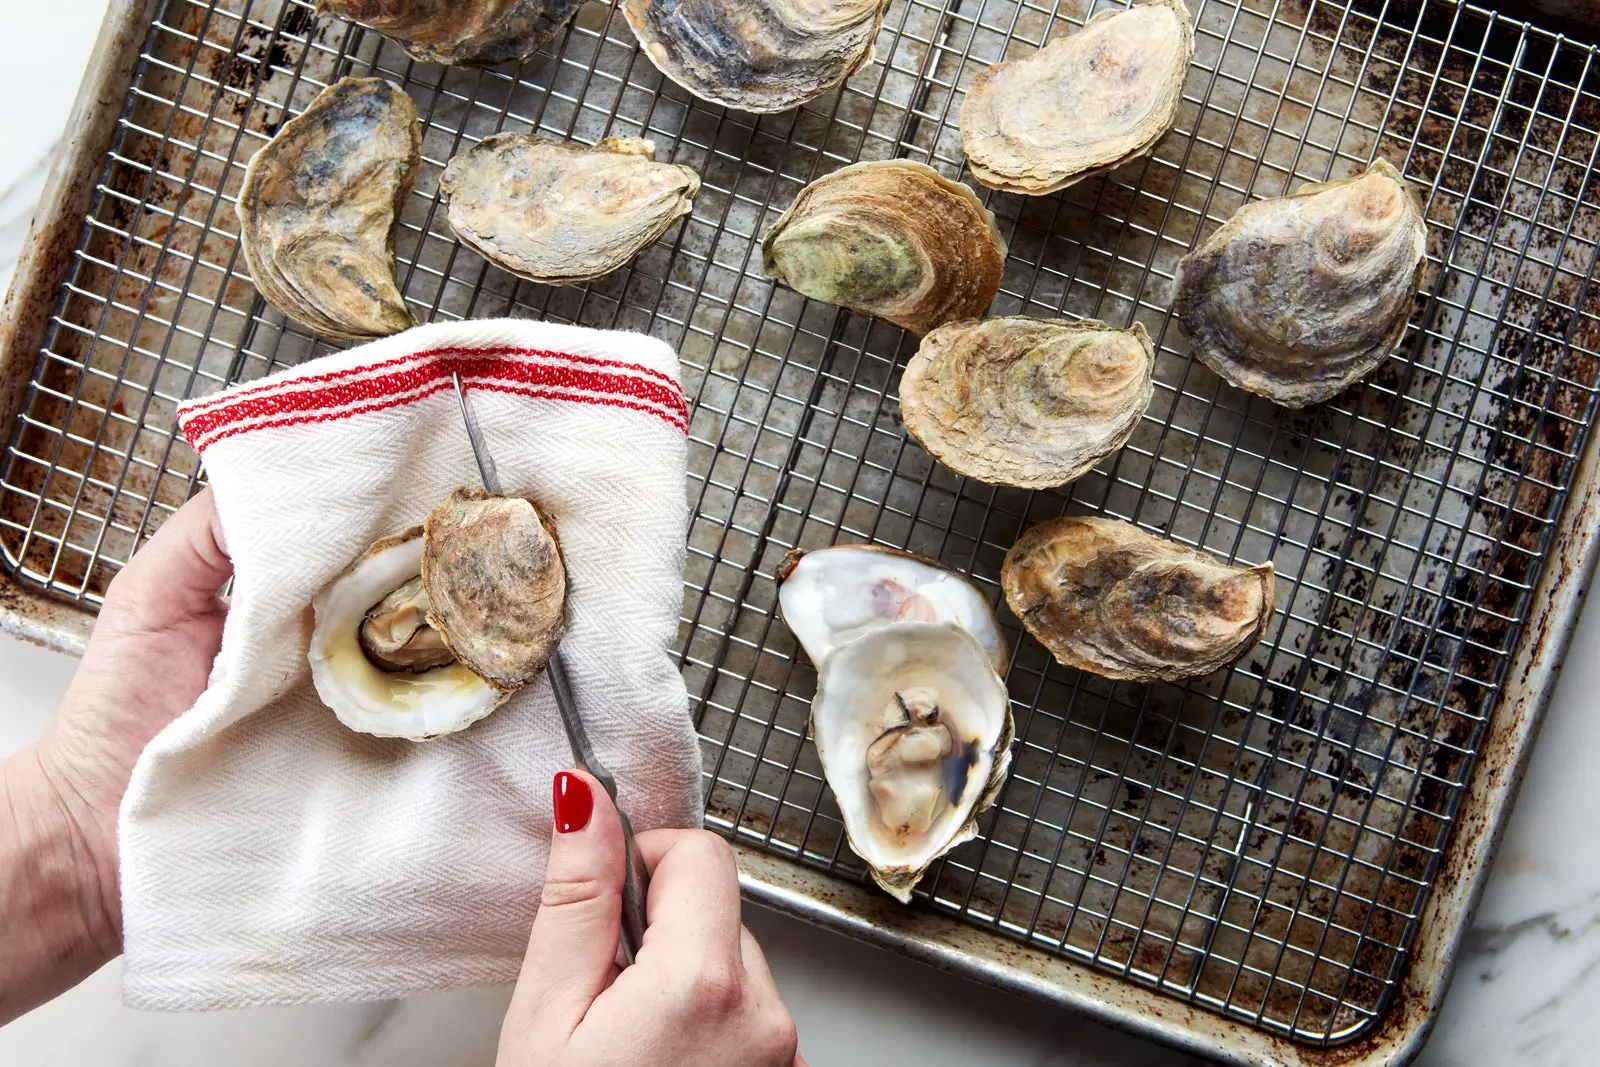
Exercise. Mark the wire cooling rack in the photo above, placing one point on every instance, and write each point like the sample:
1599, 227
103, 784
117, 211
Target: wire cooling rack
1259, 842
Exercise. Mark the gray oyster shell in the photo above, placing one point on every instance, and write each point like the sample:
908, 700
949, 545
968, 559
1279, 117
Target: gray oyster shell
469, 33
1299, 297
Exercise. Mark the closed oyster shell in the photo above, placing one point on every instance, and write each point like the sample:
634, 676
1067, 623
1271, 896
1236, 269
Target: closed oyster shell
559, 212
1106, 597
1298, 297
890, 238
757, 55
472, 33
1081, 104
318, 206
1026, 402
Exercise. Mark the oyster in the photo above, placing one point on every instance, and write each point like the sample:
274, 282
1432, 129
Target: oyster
890, 238
756, 55
430, 630
1026, 402
474, 33
558, 212
1082, 104
1299, 297
830, 596
913, 729
1106, 597
318, 205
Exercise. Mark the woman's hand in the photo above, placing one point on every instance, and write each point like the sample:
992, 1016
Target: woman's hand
699, 994
146, 663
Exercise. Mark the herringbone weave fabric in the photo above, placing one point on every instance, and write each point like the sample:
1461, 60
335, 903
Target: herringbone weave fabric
269, 855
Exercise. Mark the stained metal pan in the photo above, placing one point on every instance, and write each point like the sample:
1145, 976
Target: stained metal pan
1272, 865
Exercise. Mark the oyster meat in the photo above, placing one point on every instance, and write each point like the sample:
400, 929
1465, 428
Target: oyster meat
318, 206
560, 212
756, 55
1299, 297
1106, 597
1082, 104
1026, 402
890, 238
473, 33
430, 630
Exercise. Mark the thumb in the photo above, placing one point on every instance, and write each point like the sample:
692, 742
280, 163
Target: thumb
175, 577
573, 946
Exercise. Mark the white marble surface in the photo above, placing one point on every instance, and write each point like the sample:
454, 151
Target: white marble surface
1525, 992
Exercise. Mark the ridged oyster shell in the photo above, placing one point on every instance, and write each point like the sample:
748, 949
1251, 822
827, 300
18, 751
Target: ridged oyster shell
1026, 402
1299, 297
757, 55
1106, 597
890, 238
318, 206
560, 212
472, 33
1082, 104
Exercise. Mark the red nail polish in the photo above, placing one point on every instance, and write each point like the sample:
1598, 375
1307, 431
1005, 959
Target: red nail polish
574, 802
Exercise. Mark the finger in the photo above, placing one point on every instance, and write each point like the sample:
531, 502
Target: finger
178, 572
574, 938
799, 1060
693, 905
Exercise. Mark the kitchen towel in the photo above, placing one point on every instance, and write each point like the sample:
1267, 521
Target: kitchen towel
269, 855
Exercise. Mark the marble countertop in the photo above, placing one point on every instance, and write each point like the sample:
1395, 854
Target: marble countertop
1524, 993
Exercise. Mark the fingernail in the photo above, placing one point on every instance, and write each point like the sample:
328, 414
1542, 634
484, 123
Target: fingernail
574, 802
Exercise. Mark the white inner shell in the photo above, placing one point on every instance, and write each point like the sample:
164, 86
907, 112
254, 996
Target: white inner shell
835, 595
854, 687
372, 701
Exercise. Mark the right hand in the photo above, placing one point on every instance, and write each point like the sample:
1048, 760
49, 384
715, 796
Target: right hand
700, 992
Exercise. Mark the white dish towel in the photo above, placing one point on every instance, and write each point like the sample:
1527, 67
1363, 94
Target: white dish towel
269, 855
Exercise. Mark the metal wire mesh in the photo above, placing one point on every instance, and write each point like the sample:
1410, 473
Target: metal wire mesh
1260, 841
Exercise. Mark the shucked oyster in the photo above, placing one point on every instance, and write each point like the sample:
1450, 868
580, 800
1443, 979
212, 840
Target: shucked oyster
318, 207
1106, 597
429, 631
1081, 104
891, 238
911, 722
1026, 402
757, 55
476, 33
558, 212
1299, 297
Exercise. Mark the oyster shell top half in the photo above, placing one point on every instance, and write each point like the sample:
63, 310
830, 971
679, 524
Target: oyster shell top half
1081, 104
476, 33
1298, 297
318, 206
757, 55
1106, 597
891, 238
560, 212
1026, 402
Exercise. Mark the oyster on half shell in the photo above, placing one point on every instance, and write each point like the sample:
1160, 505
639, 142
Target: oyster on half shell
1106, 597
430, 630
757, 55
1081, 104
318, 206
560, 212
1026, 402
890, 238
1299, 297
473, 33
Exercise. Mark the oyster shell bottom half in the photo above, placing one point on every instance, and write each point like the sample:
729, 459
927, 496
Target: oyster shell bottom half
430, 630
1106, 597
473, 33
891, 238
1299, 297
1027, 402
911, 721
560, 212
318, 206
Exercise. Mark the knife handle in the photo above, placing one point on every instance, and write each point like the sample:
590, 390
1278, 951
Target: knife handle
635, 891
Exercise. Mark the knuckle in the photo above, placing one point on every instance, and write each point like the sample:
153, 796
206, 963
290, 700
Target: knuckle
569, 890
710, 847
781, 1038
717, 989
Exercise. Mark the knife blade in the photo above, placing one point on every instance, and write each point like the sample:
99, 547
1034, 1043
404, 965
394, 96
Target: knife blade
636, 880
